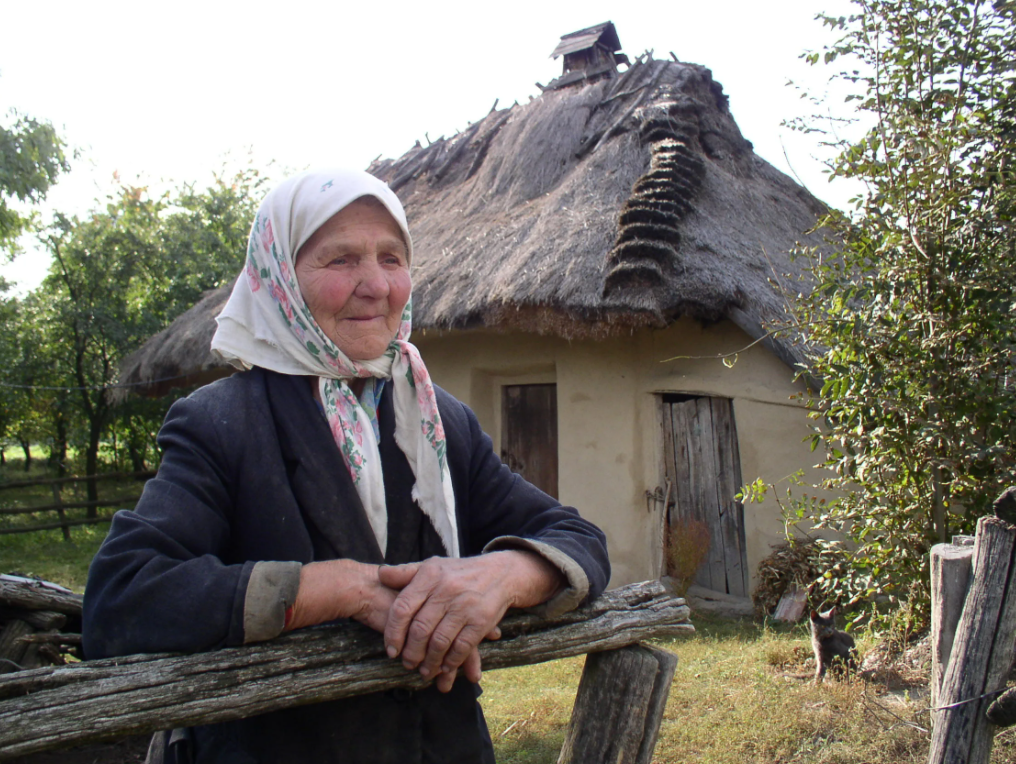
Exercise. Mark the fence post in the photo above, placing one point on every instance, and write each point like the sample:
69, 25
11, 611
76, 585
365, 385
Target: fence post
60, 511
619, 706
950, 578
983, 651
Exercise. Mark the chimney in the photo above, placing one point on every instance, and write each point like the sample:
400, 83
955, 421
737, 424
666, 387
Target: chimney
589, 54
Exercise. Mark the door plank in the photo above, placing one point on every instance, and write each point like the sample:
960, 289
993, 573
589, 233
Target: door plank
669, 466
711, 508
706, 469
727, 484
529, 434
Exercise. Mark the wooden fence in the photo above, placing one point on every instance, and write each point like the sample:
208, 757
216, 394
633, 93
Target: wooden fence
60, 507
616, 718
974, 638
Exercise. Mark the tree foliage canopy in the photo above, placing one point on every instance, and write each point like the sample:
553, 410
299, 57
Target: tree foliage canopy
916, 313
119, 275
31, 158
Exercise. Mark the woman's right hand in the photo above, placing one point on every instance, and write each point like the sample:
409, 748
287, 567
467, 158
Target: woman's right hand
333, 589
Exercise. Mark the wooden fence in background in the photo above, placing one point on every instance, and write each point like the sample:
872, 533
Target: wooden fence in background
60, 507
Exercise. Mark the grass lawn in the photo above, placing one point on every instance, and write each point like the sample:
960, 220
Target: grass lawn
741, 693
45, 554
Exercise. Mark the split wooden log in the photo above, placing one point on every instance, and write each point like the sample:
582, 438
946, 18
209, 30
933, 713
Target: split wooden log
463, 143
41, 620
51, 638
12, 649
983, 651
51, 708
26, 639
484, 143
619, 707
36, 595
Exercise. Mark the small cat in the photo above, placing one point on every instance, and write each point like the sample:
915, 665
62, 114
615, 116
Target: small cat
833, 648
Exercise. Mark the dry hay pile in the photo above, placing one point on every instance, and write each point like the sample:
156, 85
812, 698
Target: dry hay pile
900, 667
788, 566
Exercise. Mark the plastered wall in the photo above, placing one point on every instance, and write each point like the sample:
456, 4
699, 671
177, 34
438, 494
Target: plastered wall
609, 426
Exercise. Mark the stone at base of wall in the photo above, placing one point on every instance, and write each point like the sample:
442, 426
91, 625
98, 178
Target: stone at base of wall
708, 601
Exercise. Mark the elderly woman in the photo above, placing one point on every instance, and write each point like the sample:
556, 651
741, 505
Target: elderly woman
330, 480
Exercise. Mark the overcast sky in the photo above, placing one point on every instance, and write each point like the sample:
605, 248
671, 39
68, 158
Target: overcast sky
161, 92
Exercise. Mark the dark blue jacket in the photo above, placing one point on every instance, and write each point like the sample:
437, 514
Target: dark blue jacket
250, 472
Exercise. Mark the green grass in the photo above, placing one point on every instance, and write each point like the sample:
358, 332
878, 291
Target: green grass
528, 708
46, 554
741, 692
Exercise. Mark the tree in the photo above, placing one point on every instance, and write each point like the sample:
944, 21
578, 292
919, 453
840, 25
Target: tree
31, 158
13, 402
917, 311
101, 296
119, 276
203, 238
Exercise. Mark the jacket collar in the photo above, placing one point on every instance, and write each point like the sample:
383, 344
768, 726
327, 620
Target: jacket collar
317, 475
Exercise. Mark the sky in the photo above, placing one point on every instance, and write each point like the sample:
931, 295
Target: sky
165, 93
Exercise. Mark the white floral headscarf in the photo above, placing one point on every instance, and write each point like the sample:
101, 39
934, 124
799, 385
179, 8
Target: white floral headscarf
267, 323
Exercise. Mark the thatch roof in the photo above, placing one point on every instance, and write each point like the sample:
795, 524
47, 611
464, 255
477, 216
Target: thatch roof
592, 210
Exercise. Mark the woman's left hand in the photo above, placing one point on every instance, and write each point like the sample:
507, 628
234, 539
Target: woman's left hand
447, 606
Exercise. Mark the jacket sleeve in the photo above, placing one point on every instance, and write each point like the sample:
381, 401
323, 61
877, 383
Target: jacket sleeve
500, 510
159, 583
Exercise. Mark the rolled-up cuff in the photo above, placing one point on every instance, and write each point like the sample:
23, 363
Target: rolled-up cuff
271, 590
578, 584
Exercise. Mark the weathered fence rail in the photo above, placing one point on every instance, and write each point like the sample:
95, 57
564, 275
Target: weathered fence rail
77, 479
49, 708
31, 595
60, 506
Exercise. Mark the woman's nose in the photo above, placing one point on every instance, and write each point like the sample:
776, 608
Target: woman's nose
373, 283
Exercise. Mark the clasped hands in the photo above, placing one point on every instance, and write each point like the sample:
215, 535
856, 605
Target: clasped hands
434, 613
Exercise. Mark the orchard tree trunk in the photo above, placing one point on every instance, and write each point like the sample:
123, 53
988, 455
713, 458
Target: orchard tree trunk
95, 412
27, 448
59, 452
137, 457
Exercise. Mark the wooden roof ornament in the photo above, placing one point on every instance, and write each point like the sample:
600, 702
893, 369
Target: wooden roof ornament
597, 209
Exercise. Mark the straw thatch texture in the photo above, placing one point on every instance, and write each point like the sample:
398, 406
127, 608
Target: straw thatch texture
591, 210
518, 224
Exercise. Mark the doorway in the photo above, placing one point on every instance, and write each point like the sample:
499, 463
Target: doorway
529, 433
703, 466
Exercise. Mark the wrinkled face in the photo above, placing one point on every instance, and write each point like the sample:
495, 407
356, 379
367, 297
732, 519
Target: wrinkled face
354, 274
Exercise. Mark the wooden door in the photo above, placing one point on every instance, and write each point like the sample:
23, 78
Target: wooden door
704, 468
529, 433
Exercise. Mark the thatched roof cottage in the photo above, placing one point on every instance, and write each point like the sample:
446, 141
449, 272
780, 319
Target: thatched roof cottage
581, 262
